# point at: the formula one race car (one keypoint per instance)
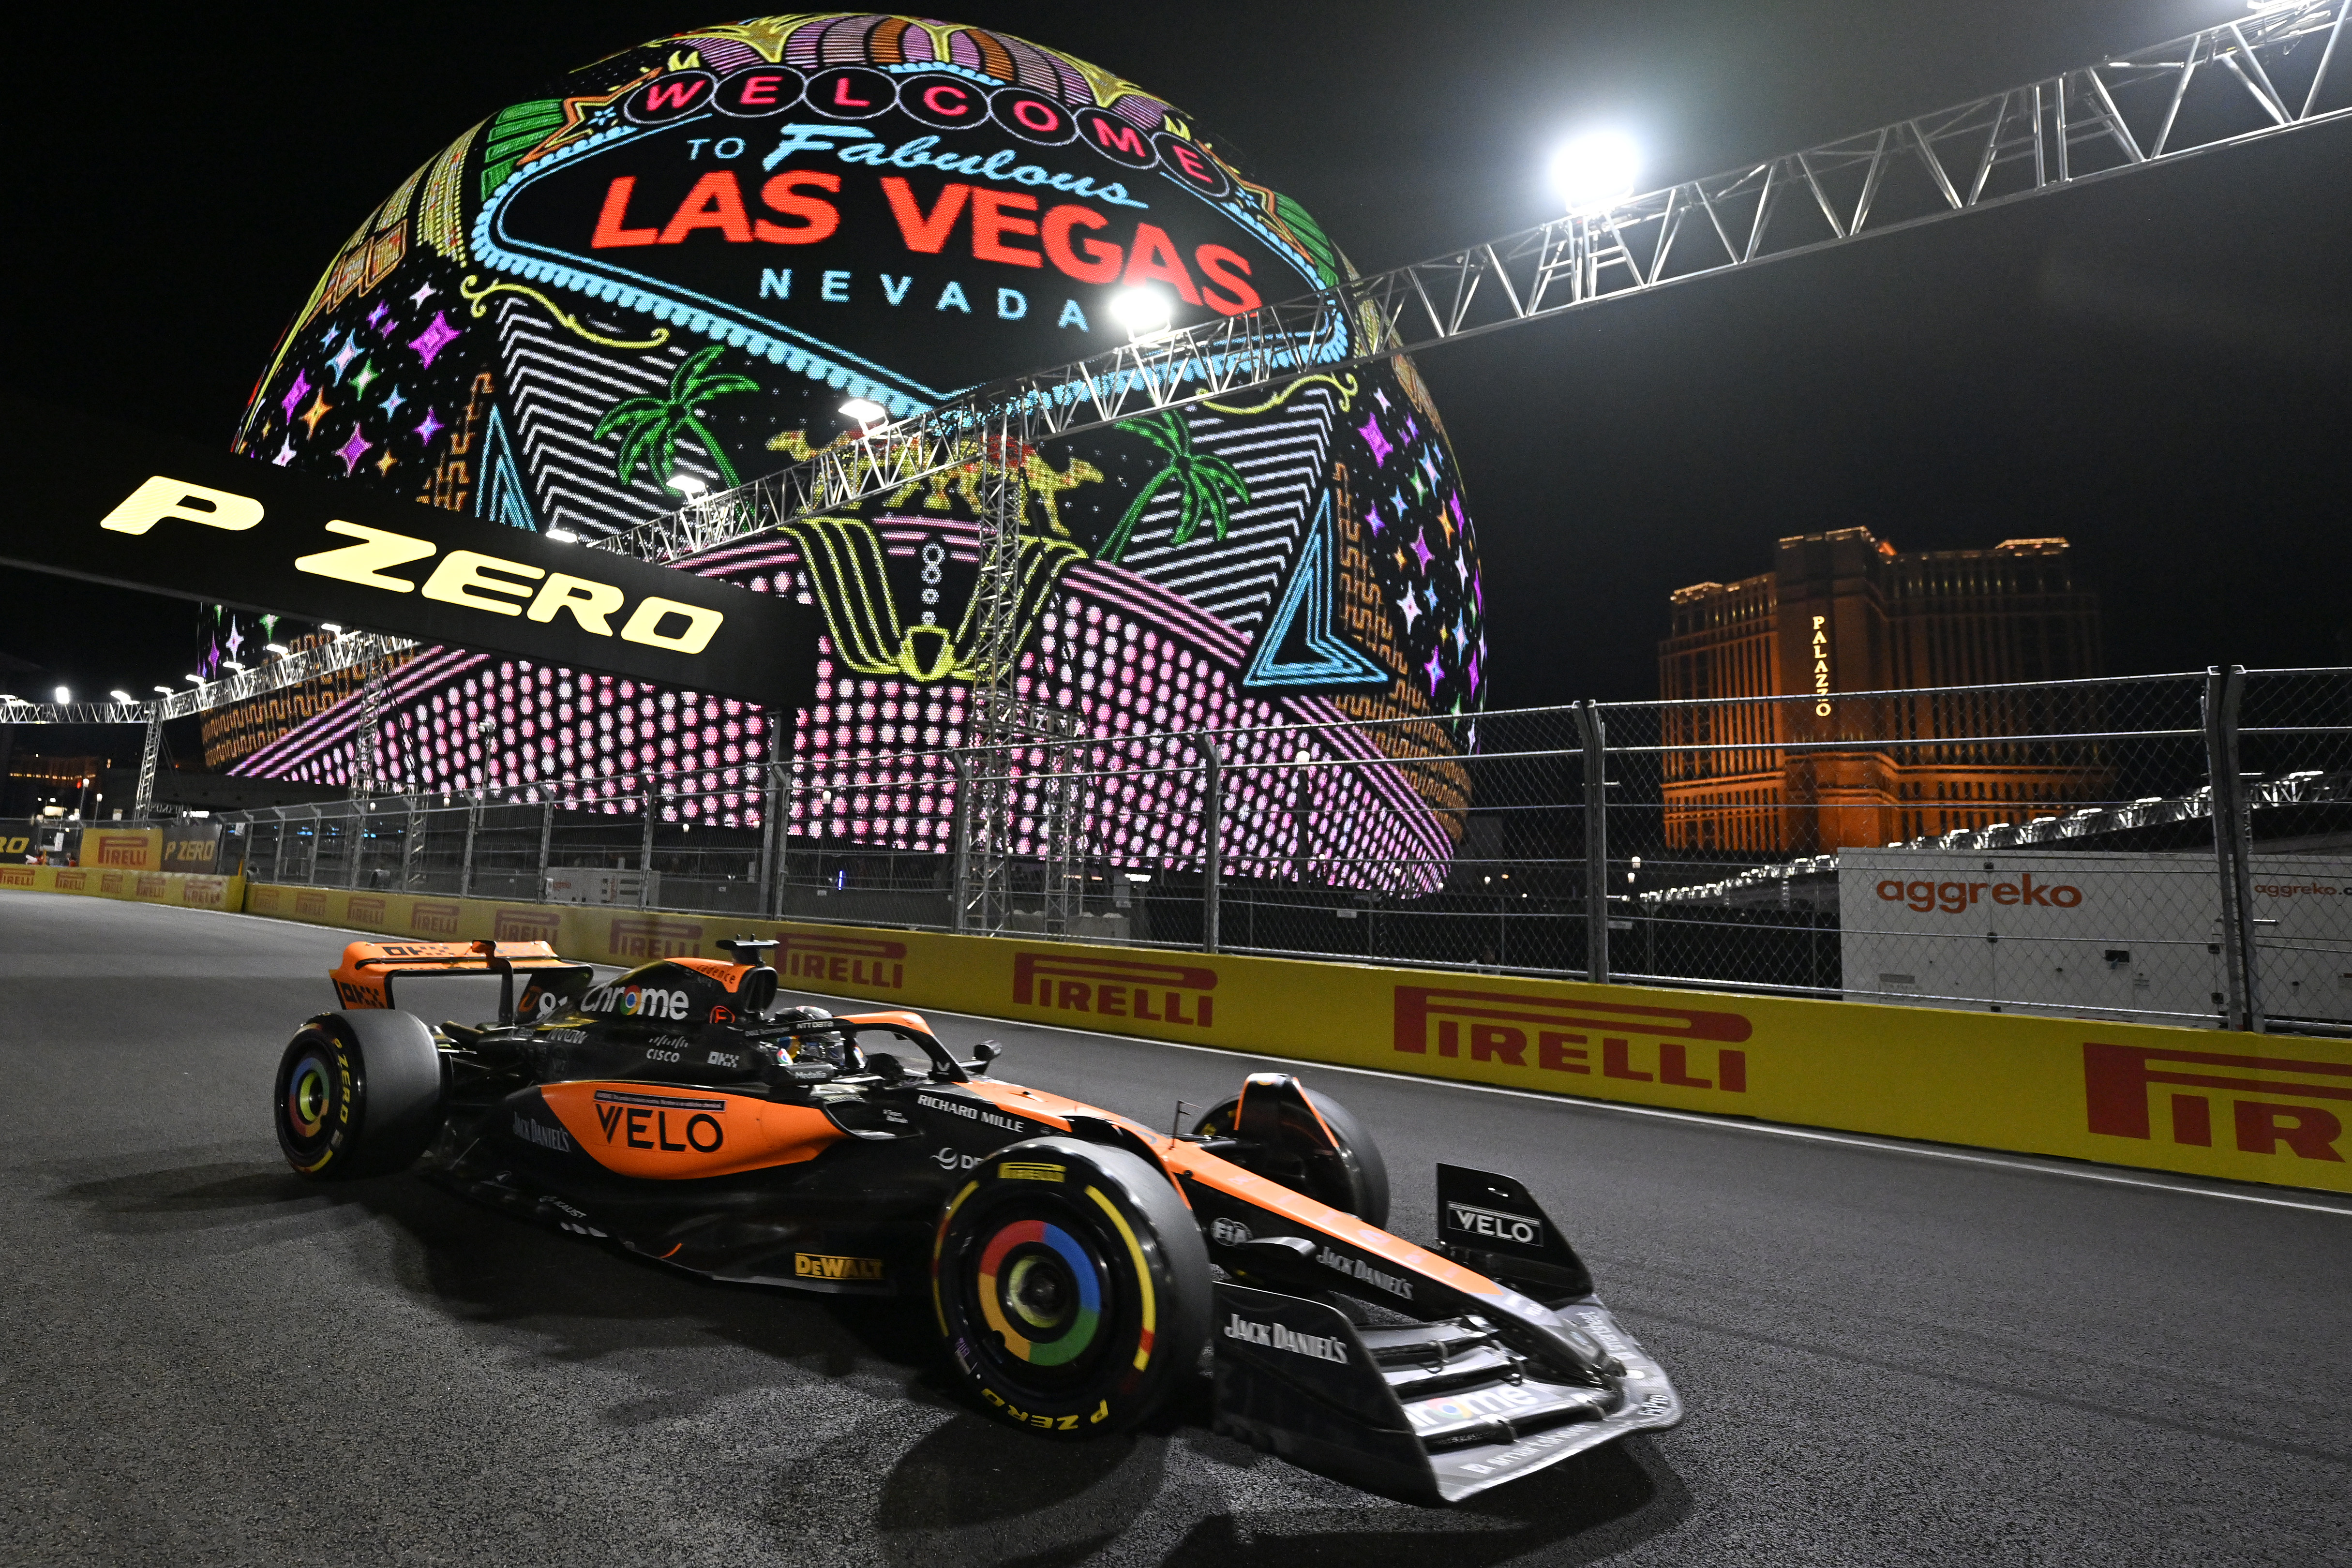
(1078, 1263)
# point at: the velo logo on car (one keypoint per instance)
(1493, 1224)
(1556, 1034)
(1116, 988)
(643, 1122)
(637, 1001)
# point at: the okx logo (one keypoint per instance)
(1683, 1048)
(1117, 987)
(2267, 1104)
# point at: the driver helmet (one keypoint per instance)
(824, 1045)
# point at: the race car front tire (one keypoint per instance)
(358, 1094)
(1072, 1287)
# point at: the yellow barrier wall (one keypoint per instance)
(2250, 1107)
(141, 886)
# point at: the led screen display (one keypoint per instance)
(670, 270)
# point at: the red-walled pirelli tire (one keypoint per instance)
(1072, 1286)
(358, 1094)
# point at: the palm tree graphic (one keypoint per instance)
(650, 427)
(1208, 488)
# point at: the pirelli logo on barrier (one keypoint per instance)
(527, 926)
(649, 936)
(136, 851)
(204, 892)
(73, 881)
(1117, 988)
(17, 876)
(151, 885)
(2259, 1105)
(264, 900)
(1683, 1048)
(875, 963)
(309, 904)
(438, 919)
(111, 883)
(364, 909)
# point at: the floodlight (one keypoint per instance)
(563, 536)
(197, 679)
(865, 412)
(687, 485)
(119, 694)
(1144, 312)
(64, 695)
(330, 626)
(165, 690)
(1596, 169)
(276, 648)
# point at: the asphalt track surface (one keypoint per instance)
(1889, 1357)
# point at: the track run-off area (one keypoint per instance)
(1891, 1354)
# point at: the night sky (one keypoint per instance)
(2155, 368)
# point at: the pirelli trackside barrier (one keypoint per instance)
(2250, 1107)
(129, 883)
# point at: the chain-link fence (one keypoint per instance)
(2168, 848)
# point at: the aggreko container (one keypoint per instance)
(2084, 934)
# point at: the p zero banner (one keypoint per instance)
(2248, 1107)
(143, 511)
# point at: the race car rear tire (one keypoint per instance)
(358, 1094)
(1072, 1287)
(1358, 1182)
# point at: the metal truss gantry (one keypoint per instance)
(2242, 81)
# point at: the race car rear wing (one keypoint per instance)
(364, 978)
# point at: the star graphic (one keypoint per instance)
(1411, 430)
(1462, 568)
(235, 641)
(1429, 595)
(1422, 550)
(1461, 631)
(1411, 609)
(391, 404)
(1446, 523)
(383, 464)
(1473, 686)
(1399, 559)
(429, 343)
(1420, 490)
(367, 372)
(1372, 516)
(295, 395)
(376, 317)
(1370, 431)
(423, 292)
(315, 412)
(343, 357)
(429, 426)
(1429, 467)
(1453, 505)
(1382, 398)
(1437, 669)
(351, 451)
(285, 452)
(329, 341)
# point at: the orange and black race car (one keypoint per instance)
(1081, 1267)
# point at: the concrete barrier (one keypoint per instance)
(2249, 1107)
(180, 888)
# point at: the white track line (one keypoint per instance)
(1719, 1124)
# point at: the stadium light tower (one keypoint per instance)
(1596, 169)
